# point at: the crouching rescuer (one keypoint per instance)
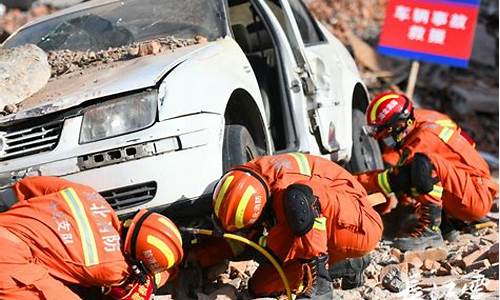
(55, 234)
(438, 166)
(308, 212)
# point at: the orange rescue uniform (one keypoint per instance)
(348, 225)
(465, 189)
(58, 233)
(391, 156)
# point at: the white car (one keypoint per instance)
(157, 131)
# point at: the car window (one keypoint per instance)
(119, 23)
(308, 29)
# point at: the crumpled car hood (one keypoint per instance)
(100, 81)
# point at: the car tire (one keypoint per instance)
(238, 147)
(365, 149)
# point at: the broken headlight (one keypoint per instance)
(120, 116)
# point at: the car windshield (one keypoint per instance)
(117, 23)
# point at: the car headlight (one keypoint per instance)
(116, 117)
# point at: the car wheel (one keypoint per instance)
(365, 150)
(238, 147)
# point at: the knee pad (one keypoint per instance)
(421, 174)
(300, 208)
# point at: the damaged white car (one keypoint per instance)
(157, 129)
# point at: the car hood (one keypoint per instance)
(73, 89)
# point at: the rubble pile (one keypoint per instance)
(67, 61)
(470, 96)
(465, 269)
(363, 17)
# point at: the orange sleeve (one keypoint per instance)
(369, 180)
(36, 186)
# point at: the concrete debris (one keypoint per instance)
(395, 277)
(67, 61)
(23, 72)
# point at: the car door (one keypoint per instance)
(327, 109)
(295, 98)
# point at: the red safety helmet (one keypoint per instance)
(153, 240)
(239, 199)
(388, 114)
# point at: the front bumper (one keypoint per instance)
(179, 158)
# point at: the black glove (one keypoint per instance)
(421, 174)
(400, 179)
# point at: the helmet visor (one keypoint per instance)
(377, 132)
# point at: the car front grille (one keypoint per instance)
(130, 196)
(28, 141)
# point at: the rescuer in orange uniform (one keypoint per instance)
(314, 213)
(438, 166)
(55, 233)
(391, 155)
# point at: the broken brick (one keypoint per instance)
(492, 237)
(493, 253)
(478, 265)
(430, 265)
(442, 271)
(396, 253)
(435, 254)
(473, 257)
(415, 261)
(149, 48)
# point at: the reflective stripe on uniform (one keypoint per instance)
(222, 193)
(89, 246)
(263, 241)
(158, 278)
(373, 113)
(172, 227)
(320, 223)
(383, 182)
(446, 123)
(446, 134)
(437, 192)
(164, 249)
(240, 211)
(303, 163)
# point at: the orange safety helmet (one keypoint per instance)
(153, 240)
(389, 113)
(239, 199)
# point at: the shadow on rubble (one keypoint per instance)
(398, 220)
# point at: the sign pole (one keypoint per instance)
(412, 79)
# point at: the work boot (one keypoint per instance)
(450, 228)
(319, 285)
(426, 234)
(351, 271)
